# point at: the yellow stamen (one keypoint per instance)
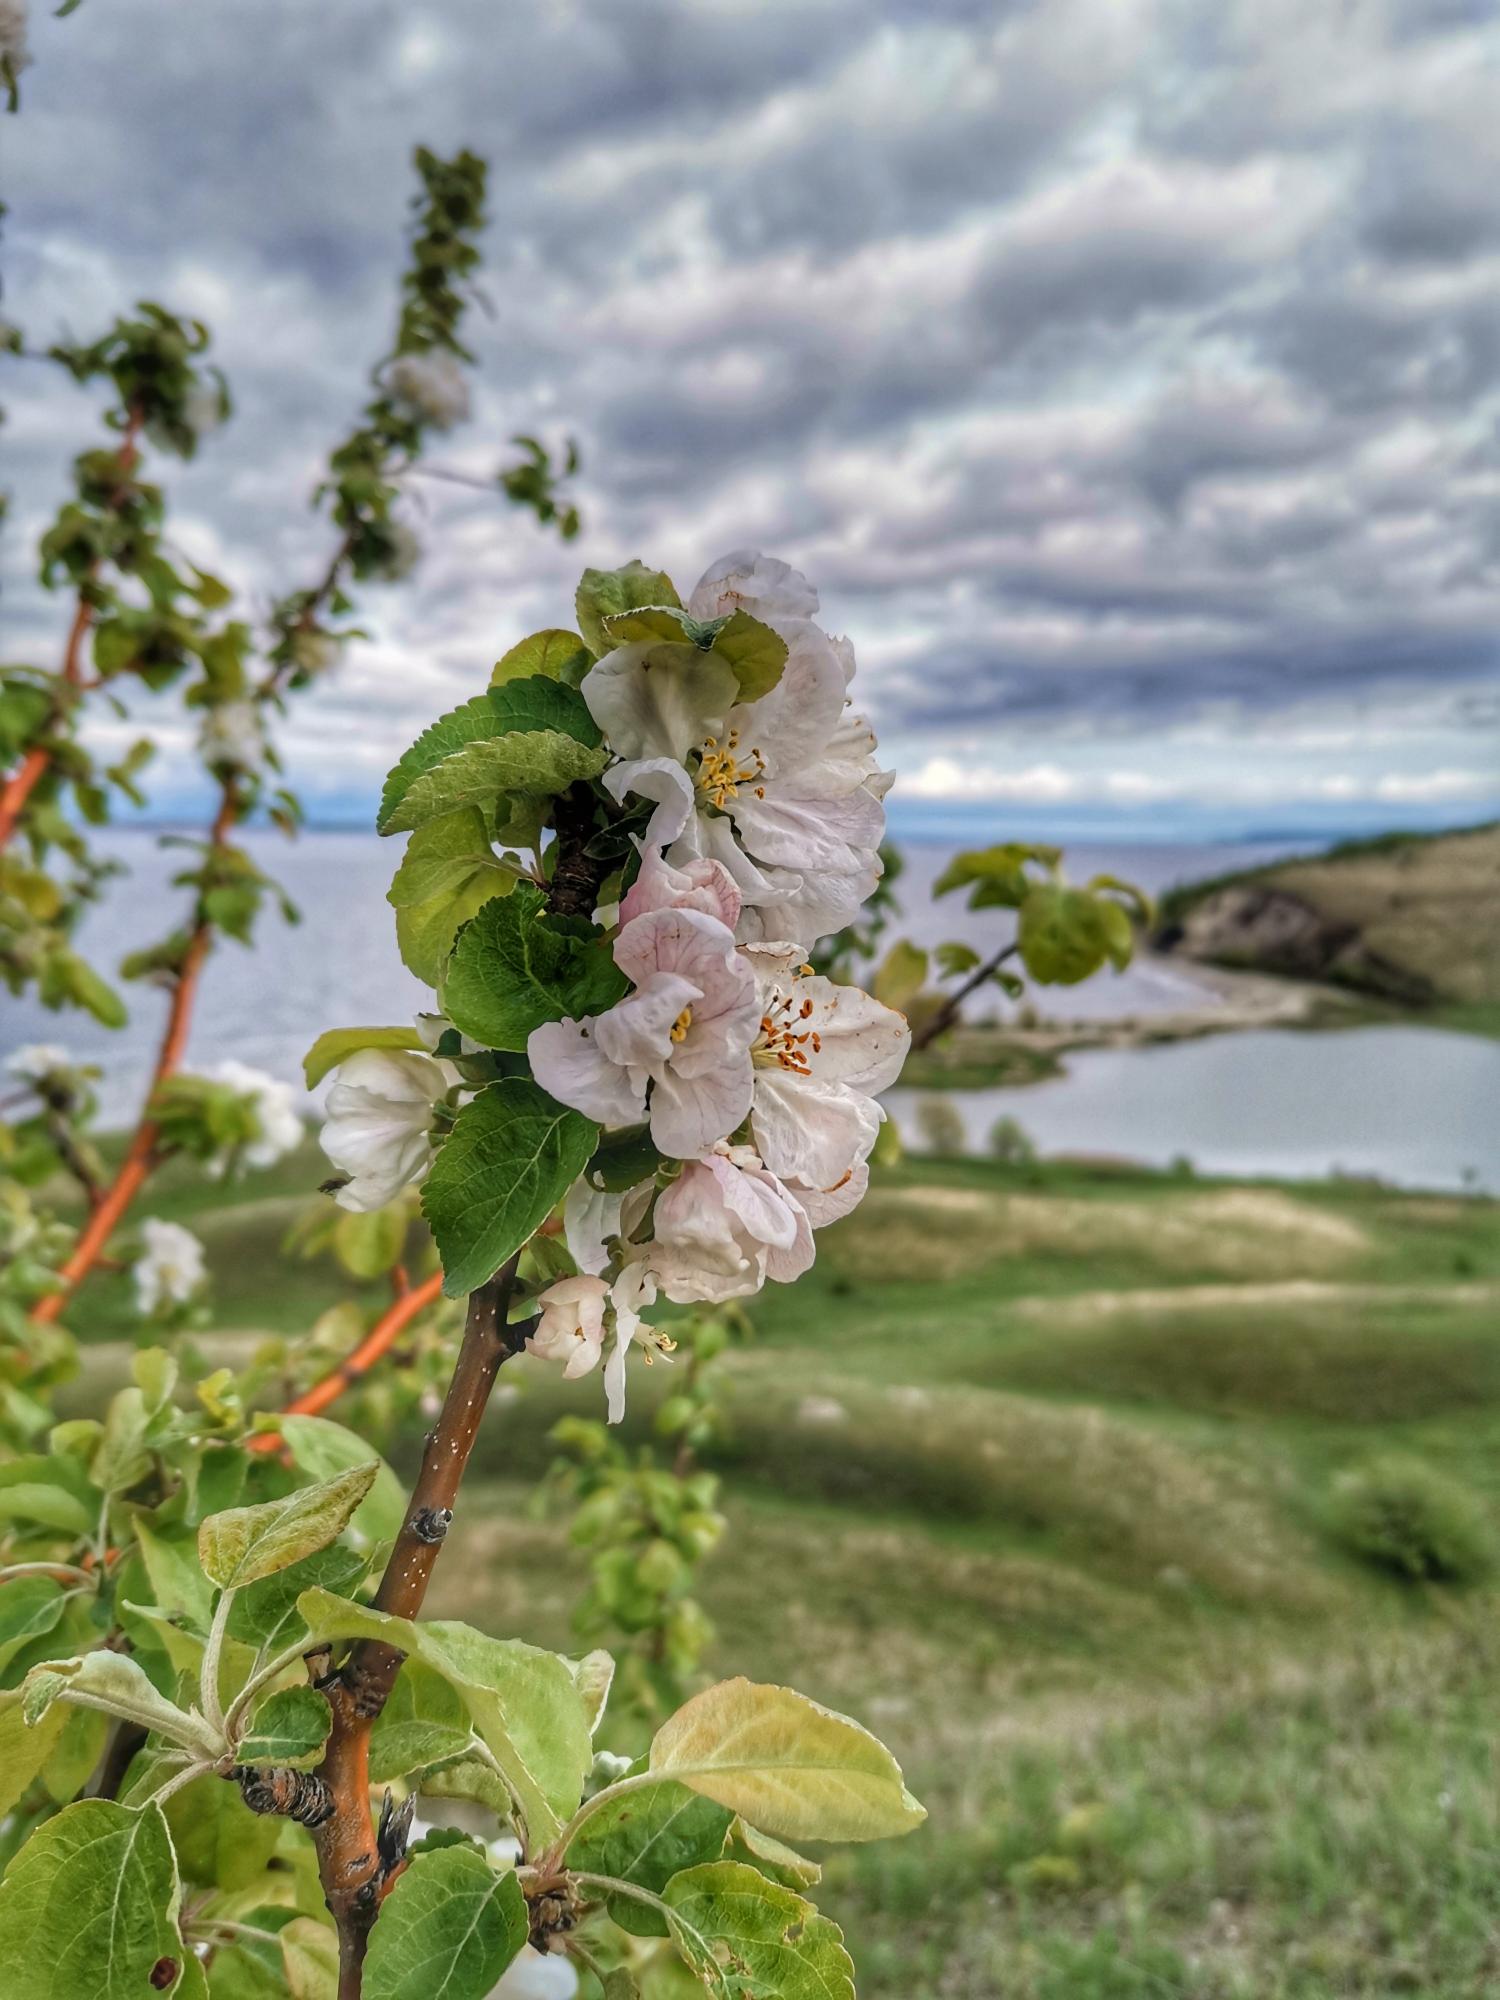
(721, 771)
(681, 1025)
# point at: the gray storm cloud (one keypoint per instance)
(1109, 365)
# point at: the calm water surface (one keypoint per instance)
(1414, 1105)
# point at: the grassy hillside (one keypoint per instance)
(1405, 916)
(1042, 1463)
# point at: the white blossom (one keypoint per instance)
(378, 1122)
(537, 1975)
(315, 651)
(684, 1032)
(433, 386)
(784, 791)
(203, 408)
(171, 1267)
(579, 1314)
(232, 737)
(405, 552)
(34, 1062)
(823, 1055)
(274, 1104)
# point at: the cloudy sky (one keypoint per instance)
(1125, 372)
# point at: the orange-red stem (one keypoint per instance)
(377, 1342)
(141, 1154)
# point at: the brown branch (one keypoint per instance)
(948, 1013)
(377, 1342)
(141, 1155)
(351, 1865)
(18, 788)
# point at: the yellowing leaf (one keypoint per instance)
(246, 1543)
(788, 1765)
(746, 1937)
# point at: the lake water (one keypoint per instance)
(1416, 1106)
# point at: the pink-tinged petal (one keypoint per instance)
(784, 1264)
(702, 885)
(659, 700)
(745, 580)
(691, 1113)
(756, 1200)
(691, 1214)
(568, 1062)
(825, 1205)
(687, 1281)
(636, 1033)
(689, 945)
(811, 1131)
(663, 780)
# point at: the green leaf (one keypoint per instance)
(471, 723)
(624, 1159)
(246, 1543)
(453, 851)
(539, 703)
(543, 762)
(265, 1614)
(955, 958)
(1062, 934)
(220, 1843)
(30, 1606)
(901, 976)
(516, 966)
(646, 626)
(783, 1864)
(52, 1492)
(523, 1702)
(24, 1747)
(447, 1930)
(997, 875)
(604, 592)
(115, 1684)
(310, 1959)
(289, 1727)
(646, 1837)
(368, 1242)
(788, 1765)
(424, 1722)
(320, 1446)
(750, 1939)
(176, 1575)
(89, 1906)
(336, 1045)
(561, 656)
(512, 1154)
(756, 653)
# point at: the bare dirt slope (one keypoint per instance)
(1411, 917)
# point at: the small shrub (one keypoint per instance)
(1414, 1522)
(1010, 1142)
(941, 1125)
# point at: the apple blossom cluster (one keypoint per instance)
(433, 386)
(743, 1084)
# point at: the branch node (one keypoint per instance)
(430, 1524)
(298, 1795)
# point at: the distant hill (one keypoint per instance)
(1410, 917)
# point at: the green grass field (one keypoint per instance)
(1035, 1473)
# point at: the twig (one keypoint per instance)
(947, 1014)
(141, 1155)
(377, 1342)
(350, 1864)
(18, 788)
